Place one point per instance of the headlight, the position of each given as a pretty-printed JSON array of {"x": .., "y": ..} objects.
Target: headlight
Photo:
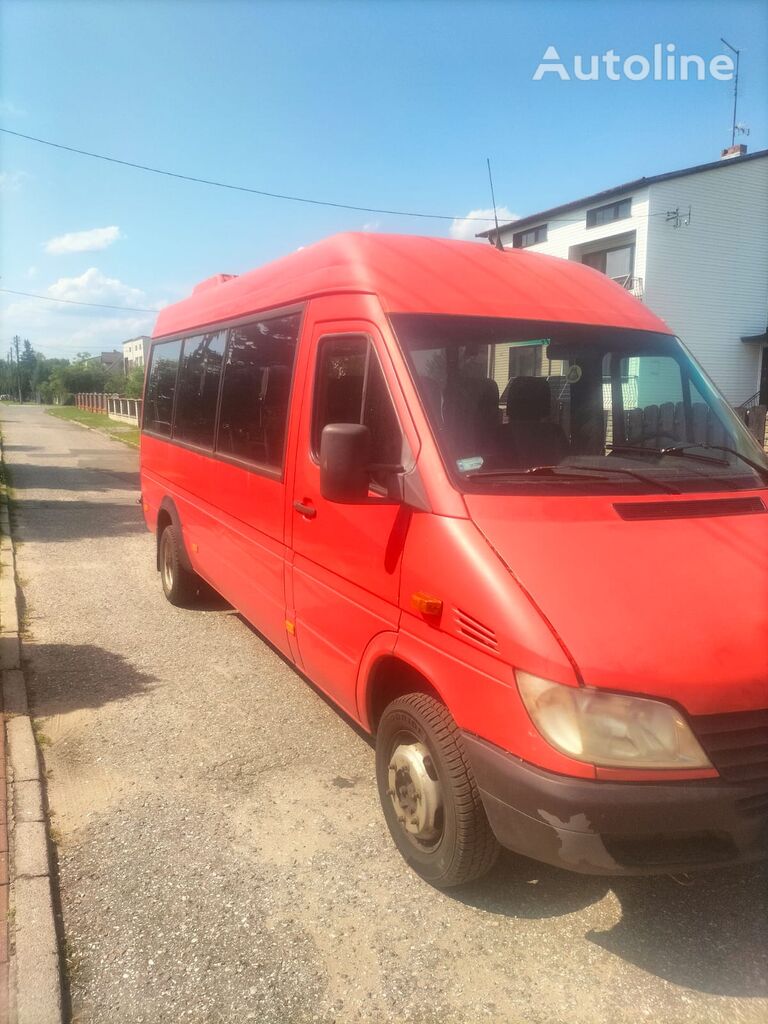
[{"x": 610, "y": 729}]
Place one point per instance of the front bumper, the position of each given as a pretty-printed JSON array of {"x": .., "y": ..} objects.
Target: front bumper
[{"x": 619, "y": 828}]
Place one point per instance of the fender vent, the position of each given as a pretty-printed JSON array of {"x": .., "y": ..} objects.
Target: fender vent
[
  {"x": 471, "y": 629},
  {"x": 706, "y": 508}
]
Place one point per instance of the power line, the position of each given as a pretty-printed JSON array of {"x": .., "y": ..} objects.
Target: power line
[
  {"x": 241, "y": 188},
  {"x": 281, "y": 195},
  {"x": 75, "y": 302}
]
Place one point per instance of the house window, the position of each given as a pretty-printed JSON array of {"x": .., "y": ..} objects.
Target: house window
[
  {"x": 531, "y": 236},
  {"x": 608, "y": 214},
  {"x": 617, "y": 263}
]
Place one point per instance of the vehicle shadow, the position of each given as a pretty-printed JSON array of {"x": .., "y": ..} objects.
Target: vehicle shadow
[
  {"x": 60, "y": 520},
  {"x": 209, "y": 600},
  {"x": 708, "y": 931},
  {"x": 34, "y": 476},
  {"x": 710, "y": 935},
  {"x": 69, "y": 677}
]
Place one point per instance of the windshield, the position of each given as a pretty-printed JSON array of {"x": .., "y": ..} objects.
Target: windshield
[{"x": 536, "y": 406}]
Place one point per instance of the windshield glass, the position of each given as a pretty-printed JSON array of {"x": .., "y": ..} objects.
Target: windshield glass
[{"x": 536, "y": 406}]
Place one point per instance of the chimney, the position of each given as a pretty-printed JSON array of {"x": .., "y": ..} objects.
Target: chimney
[{"x": 732, "y": 151}]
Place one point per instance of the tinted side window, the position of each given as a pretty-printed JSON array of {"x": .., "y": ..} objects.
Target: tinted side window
[
  {"x": 161, "y": 386},
  {"x": 198, "y": 388},
  {"x": 258, "y": 370},
  {"x": 351, "y": 388}
]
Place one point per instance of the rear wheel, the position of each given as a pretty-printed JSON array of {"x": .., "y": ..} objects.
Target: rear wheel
[
  {"x": 179, "y": 584},
  {"x": 428, "y": 792}
]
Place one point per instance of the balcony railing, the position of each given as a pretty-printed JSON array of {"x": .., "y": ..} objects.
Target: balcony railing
[{"x": 634, "y": 285}]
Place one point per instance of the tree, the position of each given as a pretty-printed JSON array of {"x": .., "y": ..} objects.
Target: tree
[
  {"x": 26, "y": 369},
  {"x": 134, "y": 383},
  {"x": 76, "y": 377},
  {"x": 41, "y": 387}
]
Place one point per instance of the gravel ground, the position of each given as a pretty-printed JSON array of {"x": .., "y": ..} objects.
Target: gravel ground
[{"x": 222, "y": 856}]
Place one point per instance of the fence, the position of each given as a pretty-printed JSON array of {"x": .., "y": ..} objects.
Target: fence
[
  {"x": 755, "y": 416},
  {"x": 126, "y": 410},
  {"x": 92, "y": 401}
]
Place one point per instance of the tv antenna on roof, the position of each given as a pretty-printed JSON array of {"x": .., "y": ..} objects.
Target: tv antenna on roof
[
  {"x": 734, "y": 126},
  {"x": 499, "y": 244}
]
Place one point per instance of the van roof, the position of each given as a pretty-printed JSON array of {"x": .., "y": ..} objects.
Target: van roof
[{"x": 411, "y": 274}]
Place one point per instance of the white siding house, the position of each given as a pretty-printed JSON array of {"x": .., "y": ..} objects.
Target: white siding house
[
  {"x": 135, "y": 352},
  {"x": 693, "y": 245}
]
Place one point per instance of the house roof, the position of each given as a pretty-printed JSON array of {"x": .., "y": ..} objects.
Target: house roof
[
  {"x": 410, "y": 274},
  {"x": 630, "y": 186}
]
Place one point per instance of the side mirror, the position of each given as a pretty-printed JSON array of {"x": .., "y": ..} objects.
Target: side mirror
[{"x": 345, "y": 455}]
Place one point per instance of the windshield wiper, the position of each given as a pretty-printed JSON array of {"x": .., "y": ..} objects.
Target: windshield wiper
[
  {"x": 672, "y": 450},
  {"x": 584, "y": 473},
  {"x": 683, "y": 451}
]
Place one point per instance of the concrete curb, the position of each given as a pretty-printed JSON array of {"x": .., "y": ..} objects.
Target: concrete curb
[{"x": 35, "y": 965}]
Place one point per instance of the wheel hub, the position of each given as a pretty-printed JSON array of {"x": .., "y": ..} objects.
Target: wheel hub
[
  {"x": 415, "y": 791},
  {"x": 167, "y": 565}
]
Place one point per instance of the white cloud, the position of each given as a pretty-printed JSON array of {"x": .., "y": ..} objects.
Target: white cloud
[
  {"x": 83, "y": 241},
  {"x": 62, "y": 330},
  {"x": 467, "y": 227},
  {"x": 8, "y": 109},
  {"x": 93, "y": 286},
  {"x": 10, "y": 181},
  {"x": 372, "y": 225}
]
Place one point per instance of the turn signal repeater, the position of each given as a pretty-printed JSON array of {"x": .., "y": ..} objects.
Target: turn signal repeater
[{"x": 427, "y": 604}]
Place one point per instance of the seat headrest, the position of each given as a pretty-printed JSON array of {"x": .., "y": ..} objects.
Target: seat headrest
[{"x": 528, "y": 398}]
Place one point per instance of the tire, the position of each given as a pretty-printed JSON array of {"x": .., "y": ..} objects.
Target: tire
[
  {"x": 180, "y": 585},
  {"x": 447, "y": 840}
]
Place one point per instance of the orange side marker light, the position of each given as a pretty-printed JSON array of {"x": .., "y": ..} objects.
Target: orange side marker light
[{"x": 426, "y": 604}]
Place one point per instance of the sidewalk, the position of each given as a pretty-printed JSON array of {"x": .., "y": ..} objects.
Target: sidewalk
[
  {"x": 30, "y": 978},
  {"x": 4, "y": 987}
]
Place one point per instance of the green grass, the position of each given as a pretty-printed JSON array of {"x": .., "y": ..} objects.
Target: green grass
[{"x": 97, "y": 421}]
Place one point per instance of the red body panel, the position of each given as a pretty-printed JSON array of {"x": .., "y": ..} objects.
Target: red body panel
[
  {"x": 346, "y": 561},
  {"x": 560, "y": 587},
  {"x": 672, "y": 608},
  {"x": 419, "y": 275}
]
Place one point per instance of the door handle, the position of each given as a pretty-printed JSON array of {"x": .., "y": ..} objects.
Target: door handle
[{"x": 308, "y": 511}]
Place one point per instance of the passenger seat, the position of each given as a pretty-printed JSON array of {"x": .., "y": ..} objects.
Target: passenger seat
[
  {"x": 530, "y": 435},
  {"x": 471, "y": 414}
]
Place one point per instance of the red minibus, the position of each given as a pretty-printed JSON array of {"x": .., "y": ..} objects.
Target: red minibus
[{"x": 488, "y": 503}]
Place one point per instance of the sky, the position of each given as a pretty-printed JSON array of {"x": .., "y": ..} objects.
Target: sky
[{"x": 390, "y": 104}]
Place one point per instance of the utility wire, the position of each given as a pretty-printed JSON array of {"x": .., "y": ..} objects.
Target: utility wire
[
  {"x": 241, "y": 188},
  {"x": 280, "y": 195},
  {"x": 75, "y": 302}
]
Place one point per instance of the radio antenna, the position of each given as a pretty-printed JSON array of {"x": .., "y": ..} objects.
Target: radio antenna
[
  {"x": 735, "y": 88},
  {"x": 499, "y": 243}
]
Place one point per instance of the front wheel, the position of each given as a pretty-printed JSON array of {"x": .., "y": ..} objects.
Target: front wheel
[
  {"x": 179, "y": 584},
  {"x": 429, "y": 795}
]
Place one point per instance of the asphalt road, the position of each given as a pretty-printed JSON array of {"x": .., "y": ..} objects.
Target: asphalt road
[{"x": 221, "y": 852}]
